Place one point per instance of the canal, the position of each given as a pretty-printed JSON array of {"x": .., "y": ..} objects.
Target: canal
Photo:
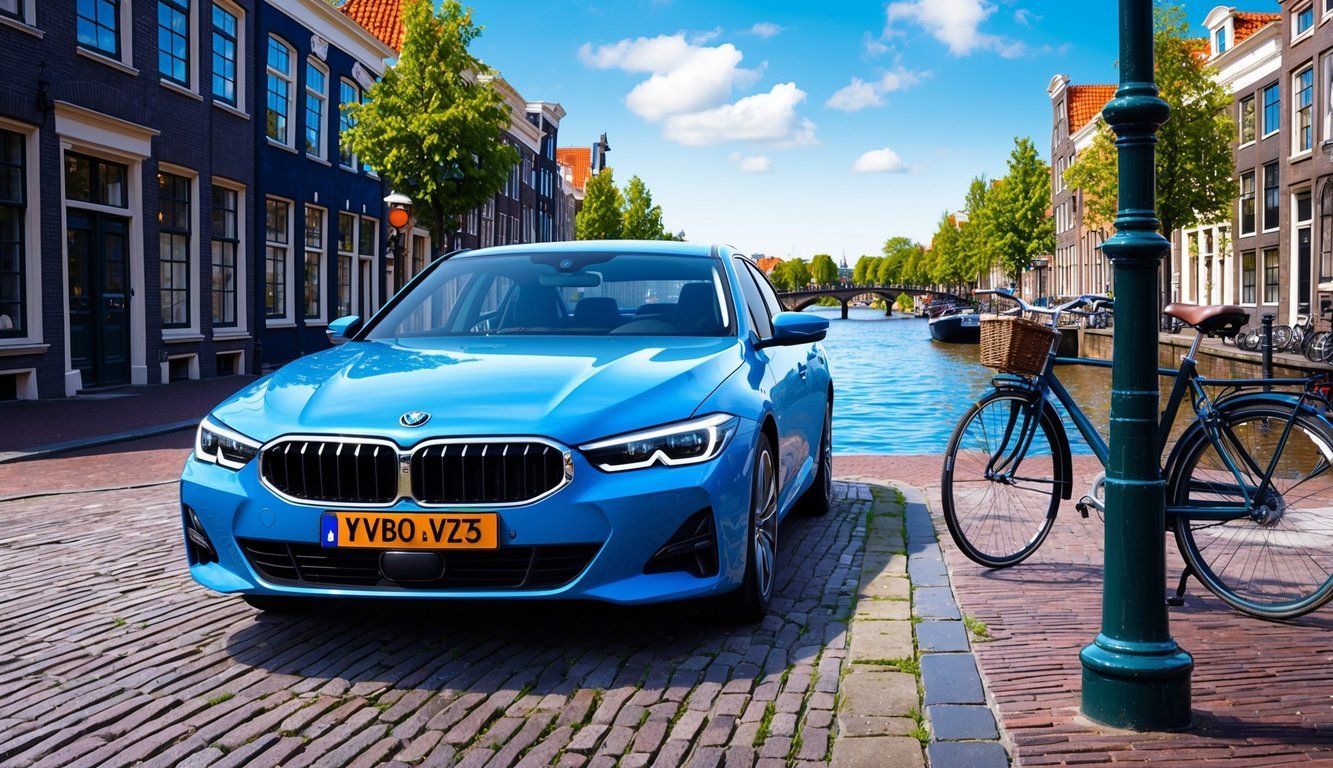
[{"x": 898, "y": 392}]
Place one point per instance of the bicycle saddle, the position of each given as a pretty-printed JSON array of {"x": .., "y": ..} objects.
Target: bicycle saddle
[{"x": 1214, "y": 319}]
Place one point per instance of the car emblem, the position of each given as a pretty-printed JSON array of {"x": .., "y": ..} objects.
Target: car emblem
[{"x": 414, "y": 418}]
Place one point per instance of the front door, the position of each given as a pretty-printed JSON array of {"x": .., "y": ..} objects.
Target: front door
[{"x": 99, "y": 297}]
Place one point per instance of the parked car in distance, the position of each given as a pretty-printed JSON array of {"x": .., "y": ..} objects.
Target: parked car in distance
[{"x": 518, "y": 422}]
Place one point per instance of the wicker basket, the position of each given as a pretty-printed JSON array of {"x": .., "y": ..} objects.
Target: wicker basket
[{"x": 1014, "y": 344}]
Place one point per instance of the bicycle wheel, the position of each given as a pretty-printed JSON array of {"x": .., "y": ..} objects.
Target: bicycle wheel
[
  {"x": 1318, "y": 349},
  {"x": 1000, "y": 488},
  {"x": 1276, "y": 560}
]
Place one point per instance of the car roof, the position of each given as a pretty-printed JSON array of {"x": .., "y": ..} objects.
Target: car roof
[{"x": 657, "y": 247}]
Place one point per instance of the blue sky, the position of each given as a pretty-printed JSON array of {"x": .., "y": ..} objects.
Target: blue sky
[{"x": 796, "y": 128}]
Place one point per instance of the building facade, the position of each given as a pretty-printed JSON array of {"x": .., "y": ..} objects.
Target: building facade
[
  {"x": 1078, "y": 266},
  {"x": 126, "y": 183}
]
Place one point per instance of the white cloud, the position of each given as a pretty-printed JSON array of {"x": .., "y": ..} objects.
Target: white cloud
[
  {"x": 756, "y": 164},
  {"x": 769, "y": 117},
  {"x": 873, "y": 46},
  {"x": 879, "y": 161},
  {"x": 859, "y": 94},
  {"x": 956, "y": 23},
  {"x": 1025, "y": 17},
  {"x": 685, "y": 77},
  {"x": 765, "y": 29}
]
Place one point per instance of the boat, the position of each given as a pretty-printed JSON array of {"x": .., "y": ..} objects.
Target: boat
[{"x": 957, "y": 325}]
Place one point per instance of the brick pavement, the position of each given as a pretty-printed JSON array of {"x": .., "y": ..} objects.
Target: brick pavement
[
  {"x": 1262, "y": 691},
  {"x": 110, "y": 656}
]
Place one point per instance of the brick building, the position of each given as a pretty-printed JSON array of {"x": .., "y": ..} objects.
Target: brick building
[{"x": 1078, "y": 266}]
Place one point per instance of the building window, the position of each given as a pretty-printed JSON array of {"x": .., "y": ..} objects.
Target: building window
[
  {"x": 13, "y": 210},
  {"x": 1304, "y": 20},
  {"x": 1271, "y": 292},
  {"x": 226, "y": 245},
  {"x": 1220, "y": 41},
  {"x": 173, "y": 40},
  {"x": 1303, "y": 86},
  {"x": 1272, "y": 110},
  {"x": 1247, "y": 120},
  {"x": 99, "y": 25},
  {"x": 314, "y": 261},
  {"x": 347, "y": 94},
  {"x": 1326, "y": 232},
  {"x": 90, "y": 180},
  {"x": 226, "y": 53},
  {"x": 277, "y": 247},
  {"x": 12, "y": 8},
  {"x": 174, "y": 248},
  {"x": 1247, "y": 277},
  {"x": 279, "y": 66},
  {"x": 1270, "y": 197},
  {"x": 346, "y": 259},
  {"x": 366, "y": 240},
  {"x": 1247, "y": 203},
  {"x": 316, "y": 90}
]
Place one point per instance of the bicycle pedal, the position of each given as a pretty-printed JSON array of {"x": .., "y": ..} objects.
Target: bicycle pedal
[
  {"x": 1083, "y": 505},
  {"x": 1175, "y": 601}
]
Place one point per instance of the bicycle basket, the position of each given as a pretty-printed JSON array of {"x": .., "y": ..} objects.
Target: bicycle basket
[{"x": 1014, "y": 344}]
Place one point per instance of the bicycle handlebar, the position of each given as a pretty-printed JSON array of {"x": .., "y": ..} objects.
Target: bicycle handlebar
[{"x": 1095, "y": 301}]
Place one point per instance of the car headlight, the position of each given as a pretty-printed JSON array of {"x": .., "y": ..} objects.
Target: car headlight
[
  {"x": 686, "y": 442},
  {"x": 216, "y": 444}
]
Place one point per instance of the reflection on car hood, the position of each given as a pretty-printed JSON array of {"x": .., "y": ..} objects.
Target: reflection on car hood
[{"x": 569, "y": 389}]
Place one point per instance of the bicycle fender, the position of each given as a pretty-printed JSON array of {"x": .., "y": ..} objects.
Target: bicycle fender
[
  {"x": 1064, "y": 463},
  {"x": 1231, "y": 403}
]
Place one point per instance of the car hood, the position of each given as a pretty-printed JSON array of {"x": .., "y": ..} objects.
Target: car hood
[{"x": 571, "y": 390}]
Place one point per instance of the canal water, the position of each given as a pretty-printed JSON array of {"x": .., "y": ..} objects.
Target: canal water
[{"x": 898, "y": 392}]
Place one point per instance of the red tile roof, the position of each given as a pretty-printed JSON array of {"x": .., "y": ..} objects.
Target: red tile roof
[
  {"x": 1246, "y": 24},
  {"x": 767, "y": 263},
  {"x": 1084, "y": 102},
  {"x": 579, "y": 159},
  {"x": 382, "y": 18}
]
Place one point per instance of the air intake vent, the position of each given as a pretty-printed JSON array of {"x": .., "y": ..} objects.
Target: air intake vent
[
  {"x": 486, "y": 473},
  {"x": 334, "y": 471}
]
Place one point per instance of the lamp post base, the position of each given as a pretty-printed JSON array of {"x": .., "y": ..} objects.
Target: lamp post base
[{"x": 1140, "y": 686}]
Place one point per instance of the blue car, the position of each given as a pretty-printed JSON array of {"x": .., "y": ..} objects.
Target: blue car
[{"x": 626, "y": 422}]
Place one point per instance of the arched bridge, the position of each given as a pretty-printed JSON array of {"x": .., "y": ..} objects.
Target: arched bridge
[{"x": 798, "y": 300}]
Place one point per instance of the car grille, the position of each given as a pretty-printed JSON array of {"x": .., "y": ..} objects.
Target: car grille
[
  {"x": 334, "y": 471},
  {"x": 485, "y": 473},
  {"x": 365, "y": 471},
  {"x": 545, "y": 567}
]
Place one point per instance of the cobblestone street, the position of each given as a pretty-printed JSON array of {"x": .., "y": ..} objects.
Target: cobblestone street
[{"x": 112, "y": 656}]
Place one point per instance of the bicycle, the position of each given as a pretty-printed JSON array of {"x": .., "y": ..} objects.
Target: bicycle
[{"x": 1249, "y": 494}]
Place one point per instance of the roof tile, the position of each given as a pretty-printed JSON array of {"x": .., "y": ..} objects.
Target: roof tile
[
  {"x": 1084, "y": 102},
  {"x": 382, "y": 18},
  {"x": 579, "y": 159},
  {"x": 1246, "y": 24}
]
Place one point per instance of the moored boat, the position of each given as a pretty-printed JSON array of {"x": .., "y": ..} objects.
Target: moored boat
[{"x": 961, "y": 325}]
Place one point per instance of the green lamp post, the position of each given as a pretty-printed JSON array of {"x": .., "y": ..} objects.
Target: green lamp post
[{"x": 1134, "y": 674}]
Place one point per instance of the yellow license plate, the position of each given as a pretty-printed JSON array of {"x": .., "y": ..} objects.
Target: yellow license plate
[{"x": 392, "y": 530}]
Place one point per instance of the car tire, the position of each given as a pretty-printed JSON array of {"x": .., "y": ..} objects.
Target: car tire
[
  {"x": 277, "y": 604},
  {"x": 818, "y": 498},
  {"x": 749, "y": 602}
]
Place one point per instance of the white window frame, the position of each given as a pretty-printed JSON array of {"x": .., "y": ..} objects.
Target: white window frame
[
  {"x": 350, "y": 255},
  {"x": 1240, "y": 202},
  {"x": 1253, "y": 101},
  {"x": 32, "y": 222},
  {"x": 1262, "y": 105},
  {"x": 125, "y": 29},
  {"x": 241, "y": 77},
  {"x": 363, "y": 258},
  {"x": 355, "y": 167},
  {"x": 322, "y": 141},
  {"x": 25, "y": 21},
  {"x": 1296, "y": 150},
  {"x": 192, "y": 254},
  {"x": 288, "y": 140},
  {"x": 241, "y": 329},
  {"x": 284, "y": 320},
  {"x": 322, "y": 264},
  {"x": 1297, "y": 34}
]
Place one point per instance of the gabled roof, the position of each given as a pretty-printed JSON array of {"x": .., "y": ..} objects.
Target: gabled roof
[
  {"x": 1246, "y": 24},
  {"x": 1084, "y": 102},
  {"x": 579, "y": 160},
  {"x": 382, "y": 18}
]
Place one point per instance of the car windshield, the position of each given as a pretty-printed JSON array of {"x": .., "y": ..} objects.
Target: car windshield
[{"x": 546, "y": 293}]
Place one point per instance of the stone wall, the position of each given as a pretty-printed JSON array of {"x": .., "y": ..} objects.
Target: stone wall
[{"x": 1215, "y": 361}]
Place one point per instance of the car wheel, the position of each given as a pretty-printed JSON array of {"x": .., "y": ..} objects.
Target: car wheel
[
  {"x": 818, "y": 498},
  {"x": 279, "y": 604},
  {"x": 750, "y": 601}
]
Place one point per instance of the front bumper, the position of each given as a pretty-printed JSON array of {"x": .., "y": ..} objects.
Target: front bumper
[{"x": 590, "y": 540}]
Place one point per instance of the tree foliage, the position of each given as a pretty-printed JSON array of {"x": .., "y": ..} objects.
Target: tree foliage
[
  {"x": 893, "y": 267},
  {"x": 865, "y": 270},
  {"x": 642, "y": 219},
  {"x": 431, "y": 126},
  {"x": 601, "y": 217},
  {"x": 1018, "y": 227},
  {"x": 975, "y": 251},
  {"x": 1194, "y": 162},
  {"x": 823, "y": 269},
  {"x": 791, "y": 275}
]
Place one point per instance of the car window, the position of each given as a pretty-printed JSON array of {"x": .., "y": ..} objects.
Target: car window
[
  {"x": 564, "y": 292},
  {"x": 770, "y": 295},
  {"x": 754, "y": 300}
]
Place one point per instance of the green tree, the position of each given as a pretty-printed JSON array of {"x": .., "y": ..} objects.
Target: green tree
[
  {"x": 824, "y": 269},
  {"x": 1194, "y": 163},
  {"x": 945, "y": 252},
  {"x": 601, "y": 217},
  {"x": 431, "y": 126},
  {"x": 798, "y": 273},
  {"x": 892, "y": 267},
  {"x": 975, "y": 248},
  {"x": 642, "y": 220},
  {"x": 865, "y": 270},
  {"x": 1018, "y": 227}
]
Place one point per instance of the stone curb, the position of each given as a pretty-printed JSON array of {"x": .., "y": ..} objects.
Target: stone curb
[
  {"x": 43, "y": 451},
  {"x": 879, "y": 710}
]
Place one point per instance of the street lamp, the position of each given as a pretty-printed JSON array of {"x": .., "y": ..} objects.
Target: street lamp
[{"x": 400, "y": 214}]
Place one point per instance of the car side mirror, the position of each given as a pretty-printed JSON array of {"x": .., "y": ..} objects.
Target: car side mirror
[
  {"x": 793, "y": 328},
  {"x": 340, "y": 331}
]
